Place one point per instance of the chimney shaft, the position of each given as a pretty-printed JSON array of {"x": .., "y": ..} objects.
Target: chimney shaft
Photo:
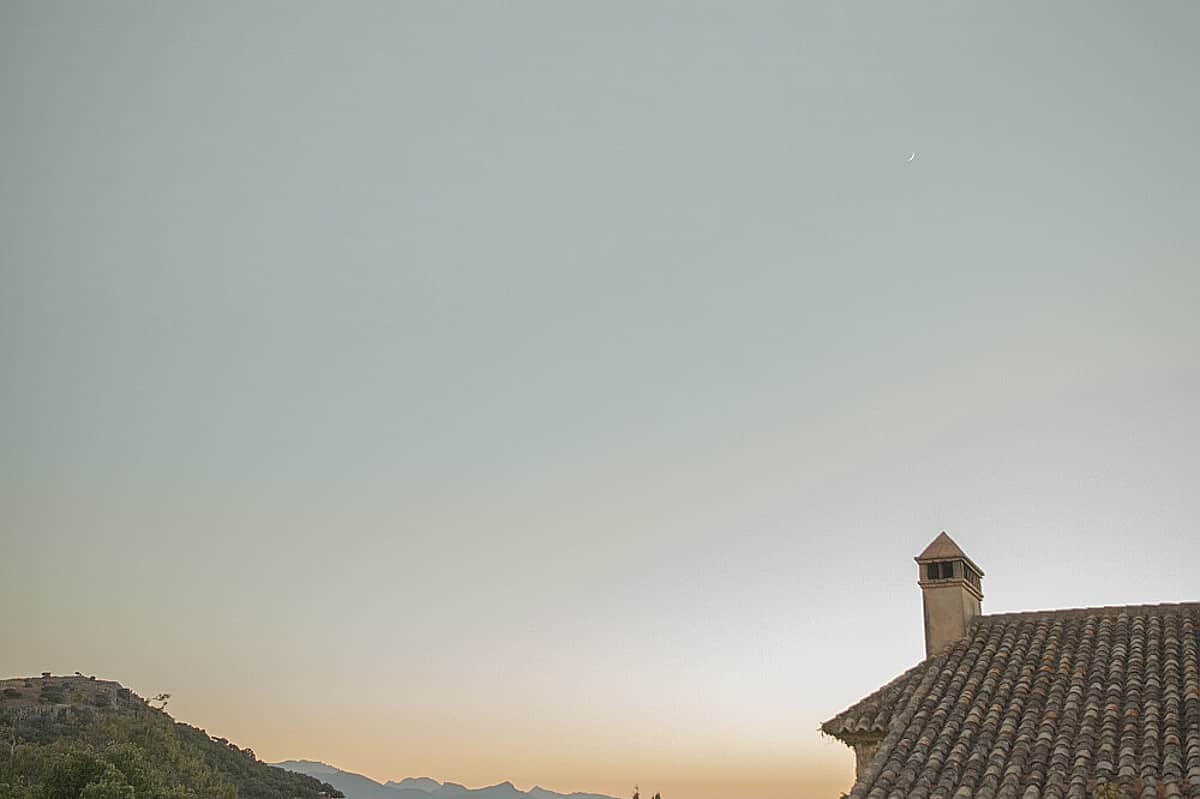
[{"x": 951, "y": 593}]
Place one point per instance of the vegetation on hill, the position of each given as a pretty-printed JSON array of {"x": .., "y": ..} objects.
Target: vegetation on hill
[{"x": 82, "y": 738}]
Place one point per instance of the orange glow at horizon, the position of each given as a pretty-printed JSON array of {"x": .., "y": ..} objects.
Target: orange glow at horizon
[{"x": 378, "y": 746}]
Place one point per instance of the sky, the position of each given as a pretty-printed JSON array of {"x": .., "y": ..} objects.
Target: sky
[{"x": 559, "y": 392}]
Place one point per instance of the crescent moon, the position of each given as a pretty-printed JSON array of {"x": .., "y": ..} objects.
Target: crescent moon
[{"x": 911, "y": 156}]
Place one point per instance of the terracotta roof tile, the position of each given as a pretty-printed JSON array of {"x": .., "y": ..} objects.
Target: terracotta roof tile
[{"x": 1041, "y": 705}]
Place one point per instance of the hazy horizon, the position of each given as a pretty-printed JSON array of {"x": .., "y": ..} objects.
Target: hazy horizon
[{"x": 559, "y": 393}]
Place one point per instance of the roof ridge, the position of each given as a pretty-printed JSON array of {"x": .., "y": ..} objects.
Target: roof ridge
[{"x": 1086, "y": 611}]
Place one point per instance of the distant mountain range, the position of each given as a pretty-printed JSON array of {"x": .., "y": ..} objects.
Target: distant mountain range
[{"x": 356, "y": 786}]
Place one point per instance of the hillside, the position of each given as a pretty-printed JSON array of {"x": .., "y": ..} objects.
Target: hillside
[
  {"x": 356, "y": 786},
  {"x": 83, "y": 738}
]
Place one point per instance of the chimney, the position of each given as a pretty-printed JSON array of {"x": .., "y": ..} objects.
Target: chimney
[{"x": 951, "y": 593}]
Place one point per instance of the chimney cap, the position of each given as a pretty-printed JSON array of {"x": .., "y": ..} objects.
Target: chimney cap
[{"x": 944, "y": 548}]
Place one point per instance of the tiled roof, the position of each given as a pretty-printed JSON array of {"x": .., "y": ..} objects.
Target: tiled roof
[
  {"x": 868, "y": 718},
  {"x": 1041, "y": 706}
]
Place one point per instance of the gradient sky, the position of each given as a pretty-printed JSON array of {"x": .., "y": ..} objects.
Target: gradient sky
[{"x": 558, "y": 392}]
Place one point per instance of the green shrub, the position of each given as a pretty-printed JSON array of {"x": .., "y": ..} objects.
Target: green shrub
[
  {"x": 137, "y": 754},
  {"x": 52, "y": 695},
  {"x": 1110, "y": 790}
]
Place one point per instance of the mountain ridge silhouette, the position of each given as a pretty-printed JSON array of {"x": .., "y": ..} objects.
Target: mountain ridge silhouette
[{"x": 358, "y": 786}]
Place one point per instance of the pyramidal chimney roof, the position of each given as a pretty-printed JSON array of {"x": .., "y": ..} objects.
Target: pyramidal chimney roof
[{"x": 944, "y": 548}]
